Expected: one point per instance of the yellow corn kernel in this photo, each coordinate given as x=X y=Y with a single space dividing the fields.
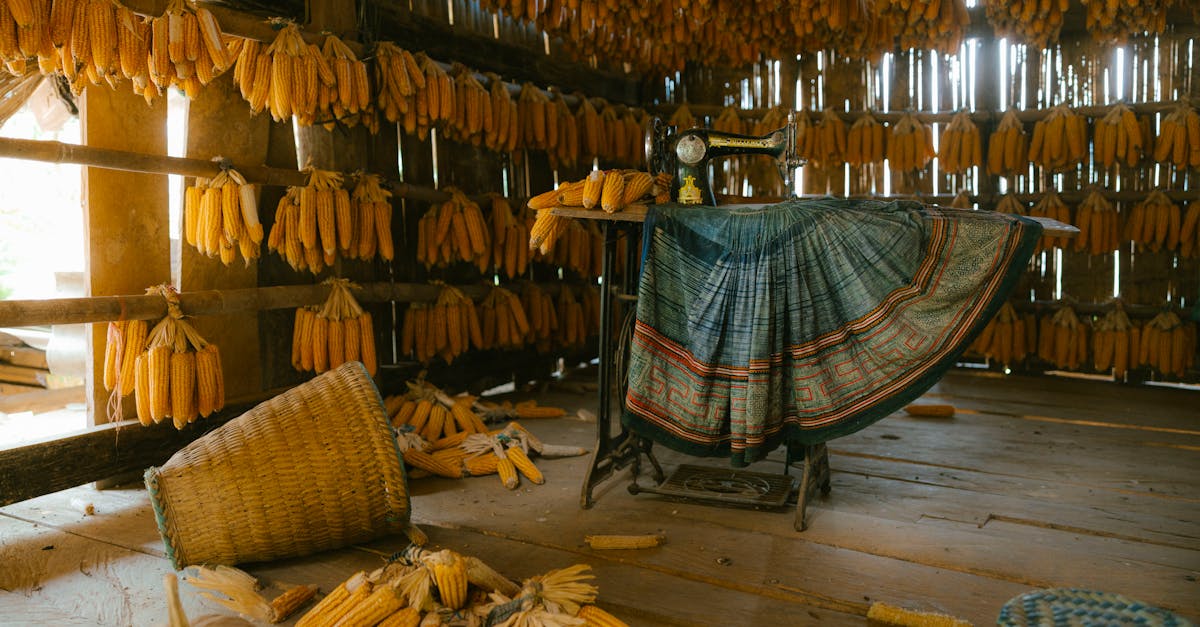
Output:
x=183 y=387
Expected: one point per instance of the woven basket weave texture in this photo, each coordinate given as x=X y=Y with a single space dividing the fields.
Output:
x=312 y=469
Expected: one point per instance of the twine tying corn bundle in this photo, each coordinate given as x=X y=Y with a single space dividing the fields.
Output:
x=1118 y=137
x=1059 y=140
x=1167 y=344
x=333 y=333
x=446 y=328
x=1111 y=342
x=453 y=231
x=1005 y=339
x=220 y=217
x=1179 y=137
x=1008 y=147
x=960 y=146
x=1063 y=339
x=1154 y=224
x=864 y=142
x=305 y=232
x=1097 y=221
x=1051 y=206
x=173 y=372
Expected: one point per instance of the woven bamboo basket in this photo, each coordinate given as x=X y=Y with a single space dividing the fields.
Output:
x=312 y=469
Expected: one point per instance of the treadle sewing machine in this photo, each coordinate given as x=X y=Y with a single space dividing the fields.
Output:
x=687 y=154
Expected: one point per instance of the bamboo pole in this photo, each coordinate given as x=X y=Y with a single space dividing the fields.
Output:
x=26 y=313
x=58 y=152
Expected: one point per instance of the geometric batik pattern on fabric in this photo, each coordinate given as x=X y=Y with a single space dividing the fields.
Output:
x=807 y=320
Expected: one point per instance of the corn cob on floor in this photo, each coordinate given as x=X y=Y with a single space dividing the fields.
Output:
x=1033 y=482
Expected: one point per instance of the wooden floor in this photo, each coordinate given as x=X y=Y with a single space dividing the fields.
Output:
x=1035 y=483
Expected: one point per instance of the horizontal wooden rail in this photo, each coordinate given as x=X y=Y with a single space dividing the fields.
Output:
x=27 y=313
x=59 y=152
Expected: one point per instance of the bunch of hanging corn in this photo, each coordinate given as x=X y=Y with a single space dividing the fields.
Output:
x=937 y=23
x=1167 y=345
x=472 y=117
x=580 y=248
x=864 y=142
x=510 y=237
x=565 y=153
x=910 y=146
x=446 y=328
x=1097 y=221
x=962 y=200
x=571 y=320
x=1004 y=339
x=502 y=320
x=1112 y=22
x=541 y=314
x=829 y=141
x=1063 y=339
x=364 y=228
x=1179 y=137
x=453 y=231
x=1118 y=137
x=334 y=333
x=1189 y=231
x=173 y=371
x=305 y=232
x=1008 y=203
x=1112 y=343
x=1033 y=22
x=1059 y=140
x=1154 y=223
x=1051 y=206
x=1008 y=147
x=960 y=147
x=220 y=214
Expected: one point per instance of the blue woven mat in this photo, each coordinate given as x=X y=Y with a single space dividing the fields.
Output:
x=1075 y=607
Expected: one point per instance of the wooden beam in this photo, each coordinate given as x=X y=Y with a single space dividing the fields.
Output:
x=103 y=451
x=22 y=375
x=38 y=401
x=24 y=356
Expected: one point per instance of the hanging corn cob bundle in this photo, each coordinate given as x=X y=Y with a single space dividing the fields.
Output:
x=25 y=31
x=305 y=232
x=910 y=146
x=453 y=231
x=729 y=121
x=590 y=128
x=829 y=141
x=622 y=135
x=1051 y=206
x=578 y=249
x=1059 y=140
x=1096 y=219
x=1005 y=341
x=338 y=331
x=682 y=118
x=542 y=315
x=446 y=328
x=220 y=217
x=537 y=127
x=1118 y=137
x=472 y=116
x=960 y=146
x=940 y=23
x=435 y=103
x=176 y=375
x=363 y=219
x=505 y=134
x=283 y=77
x=502 y=320
x=1063 y=339
x=1031 y=22
x=762 y=171
x=1111 y=346
x=1167 y=345
x=864 y=142
x=962 y=200
x=347 y=98
x=1189 y=232
x=398 y=78
x=1115 y=22
x=510 y=250
x=571 y=320
x=1009 y=204
x=1179 y=137
x=1008 y=147
x=1154 y=223
x=565 y=153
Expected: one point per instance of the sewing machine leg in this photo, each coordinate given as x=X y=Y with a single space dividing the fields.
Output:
x=814 y=478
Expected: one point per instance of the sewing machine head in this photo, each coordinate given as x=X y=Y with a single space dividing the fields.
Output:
x=685 y=155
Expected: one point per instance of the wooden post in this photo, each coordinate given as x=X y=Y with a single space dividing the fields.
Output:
x=127 y=245
x=219 y=124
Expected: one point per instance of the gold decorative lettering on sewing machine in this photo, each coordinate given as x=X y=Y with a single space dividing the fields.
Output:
x=686 y=155
x=689 y=194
